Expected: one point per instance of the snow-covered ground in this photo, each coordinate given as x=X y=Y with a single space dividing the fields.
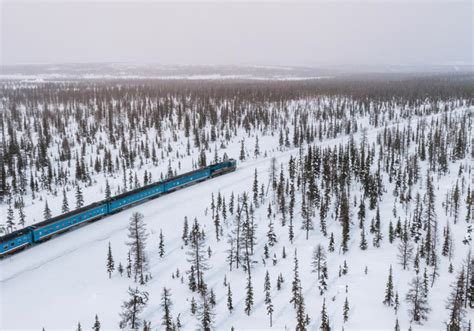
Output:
x=64 y=281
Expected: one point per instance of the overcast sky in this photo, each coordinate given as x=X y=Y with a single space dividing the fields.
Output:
x=272 y=33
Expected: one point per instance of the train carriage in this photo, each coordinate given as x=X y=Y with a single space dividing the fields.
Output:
x=44 y=230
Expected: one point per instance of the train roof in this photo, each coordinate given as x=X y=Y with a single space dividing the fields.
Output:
x=15 y=234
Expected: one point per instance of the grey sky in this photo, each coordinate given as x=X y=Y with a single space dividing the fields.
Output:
x=273 y=33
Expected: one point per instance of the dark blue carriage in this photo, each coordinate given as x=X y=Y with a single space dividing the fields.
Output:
x=38 y=232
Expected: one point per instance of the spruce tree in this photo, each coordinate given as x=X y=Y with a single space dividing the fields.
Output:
x=323 y=279
x=21 y=215
x=230 y=305
x=268 y=298
x=455 y=304
x=132 y=307
x=345 y=222
x=110 y=261
x=345 y=314
x=389 y=295
x=166 y=304
x=197 y=256
x=405 y=249
x=325 y=325
x=255 y=189
x=417 y=301
x=10 y=221
x=161 y=245
x=242 y=151
x=108 y=194
x=137 y=235
x=206 y=314
x=46 y=213
x=79 y=197
x=184 y=236
x=96 y=326
x=363 y=241
x=331 y=243
x=318 y=260
x=271 y=236
x=249 y=296
x=65 y=205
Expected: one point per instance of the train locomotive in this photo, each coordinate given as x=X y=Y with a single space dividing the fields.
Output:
x=39 y=232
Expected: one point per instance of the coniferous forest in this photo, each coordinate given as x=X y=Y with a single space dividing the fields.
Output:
x=352 y=206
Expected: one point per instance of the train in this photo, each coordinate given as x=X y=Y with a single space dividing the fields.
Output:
x=42 y=231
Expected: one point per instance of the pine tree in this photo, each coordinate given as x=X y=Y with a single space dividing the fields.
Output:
x=396 y=302
x=137 y=242
x=206 y=315
x=331 y=243
x=447 y=241
x=197 y=256
x=161 y=245
x=96 y=326
x=268 y=298
x=193 y=306
x=296 y=284
x=271 y=236
x=469 y=301
x=108 y=194
x=79 y=197
x=132 y=307
x=110 y=261
x=10 y=222
x=242 y=151
x=306 y=215
x=185 y=230
x=363 y=242
x=323 y=285
x=430 y=220
x=388 y=299
x=361 y=213
x=280 y=281
x=318 y=260
x=255 y=188
x=21 y=215
x=249 y=296
x=405 y=249
x=212 y=298
x=377 y=229
x=46 y=213
x=345 y=222
x=345 y=314
x=65 y=206
x=257 y=147
x=455 y=304
x=324 y=318
x=166 y=304
x=79 y=327
x=391 y=234
x=230 y=305
x=417 y=301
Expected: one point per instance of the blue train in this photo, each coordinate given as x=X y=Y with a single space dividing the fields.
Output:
x=42 y=231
